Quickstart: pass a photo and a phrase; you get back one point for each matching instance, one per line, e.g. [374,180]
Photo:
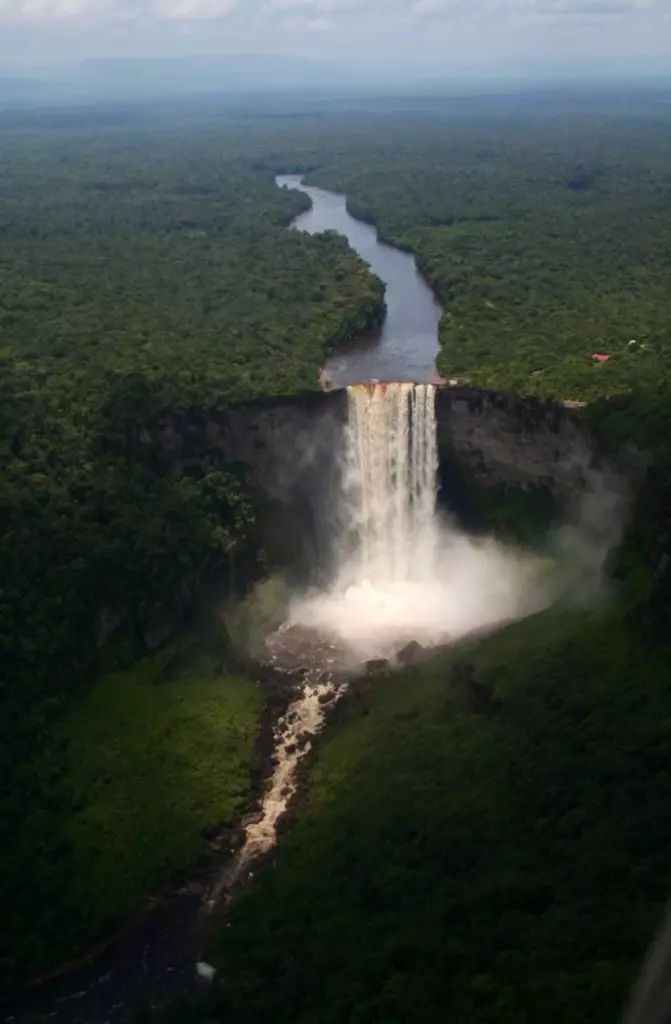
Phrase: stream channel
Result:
[406,346]
[155,958]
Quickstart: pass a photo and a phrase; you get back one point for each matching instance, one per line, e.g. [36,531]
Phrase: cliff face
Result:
[503,439]
[290,443]
[288,449]
[285,442]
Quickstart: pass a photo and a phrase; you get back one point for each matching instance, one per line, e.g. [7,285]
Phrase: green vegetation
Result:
[485,840]
[137,281]
[142,277]
[547,239]
[131,777]
[486,837]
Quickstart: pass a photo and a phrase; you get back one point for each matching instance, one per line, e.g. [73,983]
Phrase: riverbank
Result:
[106,540]
[151,955]
[406,345]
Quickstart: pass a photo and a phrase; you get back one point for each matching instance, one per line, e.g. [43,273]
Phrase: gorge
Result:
[281,740]
[352,489]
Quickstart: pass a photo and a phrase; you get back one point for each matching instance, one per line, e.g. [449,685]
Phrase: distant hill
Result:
[31,92]
[127,79]
[207,74]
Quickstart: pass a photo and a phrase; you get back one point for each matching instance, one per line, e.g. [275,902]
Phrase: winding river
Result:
[156,959]
[405,347]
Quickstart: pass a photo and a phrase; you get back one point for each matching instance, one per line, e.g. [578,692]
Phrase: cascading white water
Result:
[403,573]
[390,464]
[389,474]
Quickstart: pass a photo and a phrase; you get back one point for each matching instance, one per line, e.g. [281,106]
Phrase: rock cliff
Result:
[288,448]
[504,439]
[290,443]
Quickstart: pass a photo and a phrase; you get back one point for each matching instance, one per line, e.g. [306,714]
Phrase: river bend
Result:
[406,346]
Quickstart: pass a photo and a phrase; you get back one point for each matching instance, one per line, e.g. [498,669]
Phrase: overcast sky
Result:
[461,32]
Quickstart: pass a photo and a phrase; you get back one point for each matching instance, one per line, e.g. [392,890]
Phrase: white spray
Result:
[403,574]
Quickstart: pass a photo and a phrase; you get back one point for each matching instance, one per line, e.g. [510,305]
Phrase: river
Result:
[156,959]
[405,347]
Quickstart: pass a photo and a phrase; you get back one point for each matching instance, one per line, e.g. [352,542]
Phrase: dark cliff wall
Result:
[288,448]
[504,439]
[288,441]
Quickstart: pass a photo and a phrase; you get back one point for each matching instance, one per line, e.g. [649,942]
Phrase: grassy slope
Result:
[500,864]
[139,766]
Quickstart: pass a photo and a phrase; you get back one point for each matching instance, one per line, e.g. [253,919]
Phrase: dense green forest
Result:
[139,277]
[137,281]
[484,837]
[485,841]
[546,240]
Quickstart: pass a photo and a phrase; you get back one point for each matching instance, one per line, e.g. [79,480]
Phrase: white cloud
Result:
[177,10]
[398,32]
[423,7]
[591,7]
[170,10]
[312,5]
[386,11]
[46,9]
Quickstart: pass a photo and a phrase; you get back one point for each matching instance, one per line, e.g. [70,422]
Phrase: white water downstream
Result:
[292,736]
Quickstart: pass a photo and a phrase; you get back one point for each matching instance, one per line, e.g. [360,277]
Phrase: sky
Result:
[622,34]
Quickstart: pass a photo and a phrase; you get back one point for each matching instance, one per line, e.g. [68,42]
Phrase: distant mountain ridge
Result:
[112,79]
[232,72]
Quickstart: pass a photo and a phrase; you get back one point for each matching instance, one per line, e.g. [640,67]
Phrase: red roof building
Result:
[600,357]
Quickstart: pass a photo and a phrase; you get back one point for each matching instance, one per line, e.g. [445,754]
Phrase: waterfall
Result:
[389,476]
[402,572]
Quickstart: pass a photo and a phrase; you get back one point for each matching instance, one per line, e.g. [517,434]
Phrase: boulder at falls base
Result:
[412,654]
[376,665]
